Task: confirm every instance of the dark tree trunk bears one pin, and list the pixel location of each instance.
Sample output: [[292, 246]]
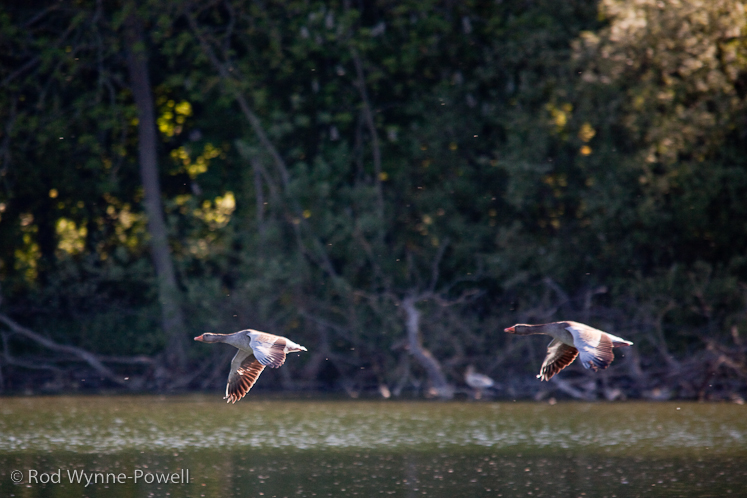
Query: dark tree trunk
[[168, 291]]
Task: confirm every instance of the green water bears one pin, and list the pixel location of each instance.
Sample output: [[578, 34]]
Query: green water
[[280, 448]]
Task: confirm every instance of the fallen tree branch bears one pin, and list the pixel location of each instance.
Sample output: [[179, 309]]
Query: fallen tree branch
[[31, 365], [80, 353], [567, 388], [128, 360]]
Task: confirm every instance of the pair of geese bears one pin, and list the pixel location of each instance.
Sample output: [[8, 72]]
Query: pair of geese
[[257, 350]]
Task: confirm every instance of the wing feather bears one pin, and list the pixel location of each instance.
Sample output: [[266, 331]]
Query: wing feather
[[559, 356], [594, 346], [245, 370], [269, 349]]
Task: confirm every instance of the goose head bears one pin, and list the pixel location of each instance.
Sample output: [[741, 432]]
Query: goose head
[[208, 337], [518, 329], [545, 328]]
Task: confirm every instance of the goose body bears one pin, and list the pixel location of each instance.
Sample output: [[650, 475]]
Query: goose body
[[572, 339], [477, 381], [256, 350]]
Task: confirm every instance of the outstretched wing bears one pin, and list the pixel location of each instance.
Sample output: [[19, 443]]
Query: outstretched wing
[[245, 370], [594, 346], [559, 356], [269, 349]]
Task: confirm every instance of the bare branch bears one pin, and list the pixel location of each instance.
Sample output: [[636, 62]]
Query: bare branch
[[339, 330], [32, 365], [5, 147], [231, 23], [368, 115], [260, 195], [241, 100], [560, 292], [256, 125], [568, 388], [359, 237], [41, 14], [128, 360], [465, 296], [35, 60], [421, 354], [80, 353], [437, 263]]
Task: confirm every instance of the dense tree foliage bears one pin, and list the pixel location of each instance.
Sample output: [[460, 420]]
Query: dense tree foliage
[[388, 183]]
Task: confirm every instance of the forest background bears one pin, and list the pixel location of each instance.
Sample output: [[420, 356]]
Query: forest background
[[389, 183]]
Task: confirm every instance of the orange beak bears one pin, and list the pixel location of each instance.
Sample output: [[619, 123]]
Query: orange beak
[[510, 330], [199, 338]]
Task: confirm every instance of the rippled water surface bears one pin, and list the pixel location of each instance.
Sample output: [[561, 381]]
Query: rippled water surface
[[199, 446]]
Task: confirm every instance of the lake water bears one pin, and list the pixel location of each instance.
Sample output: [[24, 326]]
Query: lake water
[[293, 448]]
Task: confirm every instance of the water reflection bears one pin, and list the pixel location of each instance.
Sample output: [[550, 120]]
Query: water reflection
[[318, 448]]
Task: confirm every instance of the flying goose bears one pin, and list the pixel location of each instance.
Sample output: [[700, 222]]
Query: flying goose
[[256, 350], [571, 339]]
